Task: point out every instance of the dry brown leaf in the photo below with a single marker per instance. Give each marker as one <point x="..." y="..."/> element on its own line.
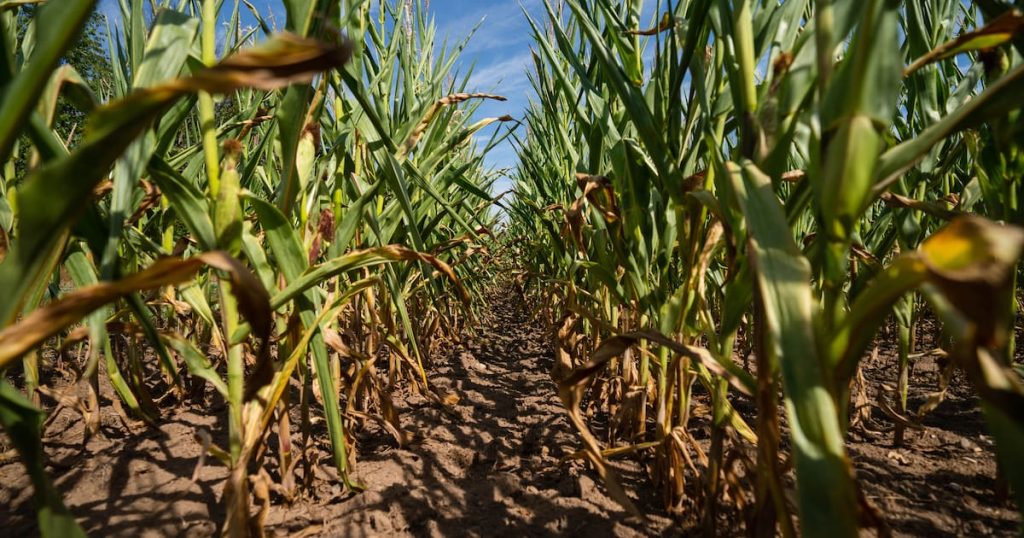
<point x="253" y="303"/>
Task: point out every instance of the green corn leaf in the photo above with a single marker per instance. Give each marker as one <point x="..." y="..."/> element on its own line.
<point x="197" y="363"/>
<point x="292" y="263"/>
<point x="114" y="127"/>
<point x="57" y="25"/>
<point x="825" y="487"/>
<point x="998" y="99"/>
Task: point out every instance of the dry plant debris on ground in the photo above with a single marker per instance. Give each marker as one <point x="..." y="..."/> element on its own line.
<point x="758" y="271"/>
<point x="491" y="464"/>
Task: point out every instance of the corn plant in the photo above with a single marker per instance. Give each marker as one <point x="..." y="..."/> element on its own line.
<point x="741" y="178"/>
<point x="254" y="209"/>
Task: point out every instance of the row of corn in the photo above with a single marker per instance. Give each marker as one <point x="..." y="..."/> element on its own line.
<point x="288" y="222"/>
<point x="729" y="199"/>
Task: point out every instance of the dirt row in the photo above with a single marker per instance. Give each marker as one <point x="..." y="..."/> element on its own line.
<point x="488" y="464"/>
<point x="491" y="461"/>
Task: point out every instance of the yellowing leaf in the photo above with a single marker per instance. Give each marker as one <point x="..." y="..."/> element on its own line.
<point x="998" y="32"/>
<point x="253" y="302"/>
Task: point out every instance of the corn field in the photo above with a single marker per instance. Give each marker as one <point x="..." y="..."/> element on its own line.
<point x="719" y="209"/>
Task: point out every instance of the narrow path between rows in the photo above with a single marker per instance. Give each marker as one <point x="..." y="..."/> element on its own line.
<point x="488" y="467"/>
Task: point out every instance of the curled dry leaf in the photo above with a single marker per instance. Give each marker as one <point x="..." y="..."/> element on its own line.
<point x="616" y="345"/>
<point x="572" y="388"/>
<point x="460" y="240"/>
<point x="972" y="261"/>
<point x="937" y="208"/>
<point x="432" y="112"/>
<point x="664" y="24"/>
<point x="599" y="192"/>
<point x="253" y="303"/>
<point x="365" y="258"/>
<point x="1001" y="30"/>
<point x="283" y="60"/>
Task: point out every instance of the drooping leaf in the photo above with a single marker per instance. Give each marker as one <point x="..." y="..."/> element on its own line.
<point x="997" y="32"/>
<point x="253" y="300"/>
<point x="113" y="127"/>
<point x="825" y="487"/>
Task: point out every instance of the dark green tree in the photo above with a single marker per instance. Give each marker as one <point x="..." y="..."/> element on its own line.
<point x="88" y="57"/>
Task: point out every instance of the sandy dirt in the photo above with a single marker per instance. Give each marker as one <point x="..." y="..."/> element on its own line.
<point x="942" y="482"/>
<point x="490" y="464"/>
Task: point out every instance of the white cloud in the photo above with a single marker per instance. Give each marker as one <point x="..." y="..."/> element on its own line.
<point x="500" y="49"/>
<point x="506" y="75"/>
<point x="502" y="25"/>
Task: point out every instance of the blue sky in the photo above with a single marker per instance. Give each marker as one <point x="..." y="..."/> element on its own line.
<point x="500" y="50"/>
